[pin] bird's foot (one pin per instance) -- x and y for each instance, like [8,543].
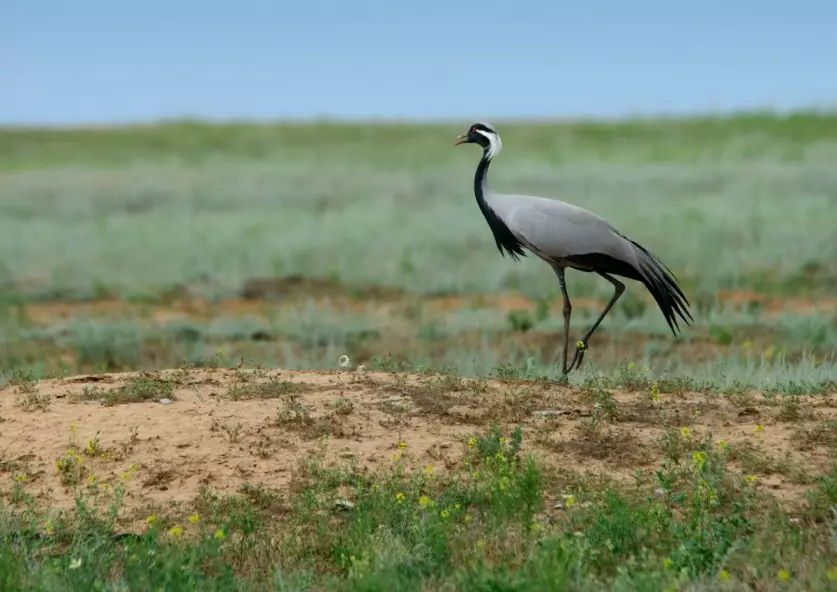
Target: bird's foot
[580,348]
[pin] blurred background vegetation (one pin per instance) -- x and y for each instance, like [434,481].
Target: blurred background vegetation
[291,244]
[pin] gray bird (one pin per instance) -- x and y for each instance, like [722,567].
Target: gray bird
[564,236]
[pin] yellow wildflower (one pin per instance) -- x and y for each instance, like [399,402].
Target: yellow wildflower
[175,531]
[831,574]
[402,445]
[429,470]
[722,444]
[424,501]
[723,575]
[569,502]
[783,575]
[220,535]
[194,518]
[684,431]
[699,458]
[759,428]
[444,513]
[667,563]
[151,519]
[472,442]
[399,497]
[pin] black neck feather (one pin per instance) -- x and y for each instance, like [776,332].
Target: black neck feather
[506,241]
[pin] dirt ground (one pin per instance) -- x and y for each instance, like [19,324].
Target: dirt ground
[223,428]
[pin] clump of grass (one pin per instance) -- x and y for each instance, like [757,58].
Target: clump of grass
[676,444]
[596,389]
[139,388]
[273,388]
[24,380]
[70,467]
[791,411]
[492,443]
[755,460]
[342,406]
[434,394]
[822,434]
[295,416]
[34,402]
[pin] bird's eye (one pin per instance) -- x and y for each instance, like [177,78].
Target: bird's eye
[473,129]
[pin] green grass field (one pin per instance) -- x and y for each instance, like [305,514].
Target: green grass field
[188,245]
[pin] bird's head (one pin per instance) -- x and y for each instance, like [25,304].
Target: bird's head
[484,135]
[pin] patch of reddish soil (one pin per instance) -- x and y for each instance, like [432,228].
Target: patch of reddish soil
[262,296]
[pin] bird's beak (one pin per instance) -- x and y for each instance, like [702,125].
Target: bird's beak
[460,139]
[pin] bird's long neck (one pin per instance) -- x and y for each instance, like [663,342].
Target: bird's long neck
[505,239]
[480,177]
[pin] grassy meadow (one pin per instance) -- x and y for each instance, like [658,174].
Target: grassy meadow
[193,246]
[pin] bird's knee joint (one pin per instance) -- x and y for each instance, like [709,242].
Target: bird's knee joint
[568,308]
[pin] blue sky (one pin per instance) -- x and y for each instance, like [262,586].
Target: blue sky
[95,61]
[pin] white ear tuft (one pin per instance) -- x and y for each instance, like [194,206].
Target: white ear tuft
[495,144]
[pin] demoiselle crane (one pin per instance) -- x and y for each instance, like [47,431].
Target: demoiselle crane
[565,236]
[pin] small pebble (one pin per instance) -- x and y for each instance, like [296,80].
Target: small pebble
[344,504]
[166,401]
[549,412]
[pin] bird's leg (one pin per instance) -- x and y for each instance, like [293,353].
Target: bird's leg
[568,311]
[581,346]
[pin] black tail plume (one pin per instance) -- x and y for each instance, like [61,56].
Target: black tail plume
[662,284]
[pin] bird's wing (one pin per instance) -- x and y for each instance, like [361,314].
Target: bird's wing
[560,230]
[566,234]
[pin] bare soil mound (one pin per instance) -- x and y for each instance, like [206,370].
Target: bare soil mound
[224,428]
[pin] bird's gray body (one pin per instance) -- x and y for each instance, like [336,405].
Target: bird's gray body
[556,231]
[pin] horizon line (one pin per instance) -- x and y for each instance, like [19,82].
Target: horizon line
[631,117]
